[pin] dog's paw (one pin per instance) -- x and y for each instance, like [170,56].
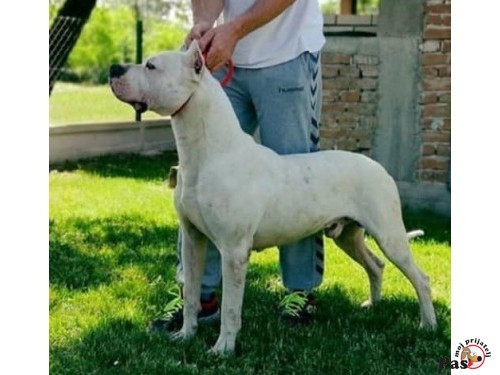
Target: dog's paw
[182,335]
[428,326]
[367,304]
[222,347]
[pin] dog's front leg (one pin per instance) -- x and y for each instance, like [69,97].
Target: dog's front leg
[234,270]
[193,249]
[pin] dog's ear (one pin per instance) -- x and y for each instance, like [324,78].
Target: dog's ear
[195,57]
[465,353]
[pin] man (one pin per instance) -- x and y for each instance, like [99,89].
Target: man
[276,86]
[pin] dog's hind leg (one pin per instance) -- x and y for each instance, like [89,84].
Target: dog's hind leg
[352,241]
[393,241]
[193,248]
[234,270]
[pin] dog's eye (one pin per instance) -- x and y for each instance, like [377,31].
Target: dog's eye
[150,66]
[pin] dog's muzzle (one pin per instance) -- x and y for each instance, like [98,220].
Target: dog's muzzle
[116,71]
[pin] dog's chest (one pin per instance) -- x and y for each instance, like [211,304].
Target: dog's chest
[190,208]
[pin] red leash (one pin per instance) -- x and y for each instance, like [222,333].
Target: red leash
[229,74]
[227,78]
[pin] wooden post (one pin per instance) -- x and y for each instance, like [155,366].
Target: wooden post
[347,6]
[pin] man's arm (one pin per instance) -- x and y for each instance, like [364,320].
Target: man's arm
[205,13]
[219,43]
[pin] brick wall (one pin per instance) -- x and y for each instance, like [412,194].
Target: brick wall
[350,99]
[353,91]
[435,96]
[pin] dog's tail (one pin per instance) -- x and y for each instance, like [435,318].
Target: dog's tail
[415,233]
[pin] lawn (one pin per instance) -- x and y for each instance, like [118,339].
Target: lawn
[73,104]
[113,232]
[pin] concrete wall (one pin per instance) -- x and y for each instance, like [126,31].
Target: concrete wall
[81,141]
[397,143]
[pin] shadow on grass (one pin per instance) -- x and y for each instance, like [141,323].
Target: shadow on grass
[84,253]
[123,165]
[436,227]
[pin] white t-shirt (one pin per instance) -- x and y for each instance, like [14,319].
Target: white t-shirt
[298,29]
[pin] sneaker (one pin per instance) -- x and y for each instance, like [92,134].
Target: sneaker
[172,321]
[298,307]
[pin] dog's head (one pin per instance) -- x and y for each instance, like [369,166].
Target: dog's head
[163,84]
[466,353]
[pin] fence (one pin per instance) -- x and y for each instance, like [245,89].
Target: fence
[63,34]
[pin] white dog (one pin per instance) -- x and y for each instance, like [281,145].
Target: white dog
[244,196]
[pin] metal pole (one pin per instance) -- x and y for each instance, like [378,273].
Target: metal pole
[138,52]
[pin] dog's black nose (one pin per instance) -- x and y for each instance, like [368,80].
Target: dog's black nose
[479,358]
[117,70]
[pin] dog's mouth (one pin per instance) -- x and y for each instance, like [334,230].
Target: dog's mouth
[120,90]
[140,107]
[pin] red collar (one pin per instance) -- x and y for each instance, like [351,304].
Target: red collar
[181,107]
[224,82]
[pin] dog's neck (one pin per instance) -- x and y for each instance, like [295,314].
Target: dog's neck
[181,107]
[206,124]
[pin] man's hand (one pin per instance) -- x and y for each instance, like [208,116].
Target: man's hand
[218,44]
[197,31]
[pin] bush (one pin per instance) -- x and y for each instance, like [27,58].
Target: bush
[109,37]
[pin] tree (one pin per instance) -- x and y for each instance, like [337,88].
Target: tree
[110,37]
[64,34]
[160,9]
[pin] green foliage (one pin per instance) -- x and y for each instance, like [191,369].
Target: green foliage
[106,39]
[368,6]
[162,36]
[53,9]
[330,7]
[110,37]
[179,9]
[362,6]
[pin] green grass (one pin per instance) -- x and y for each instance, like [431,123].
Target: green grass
[113,231]
[73,104]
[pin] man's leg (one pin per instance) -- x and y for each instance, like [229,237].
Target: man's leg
[288,102]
